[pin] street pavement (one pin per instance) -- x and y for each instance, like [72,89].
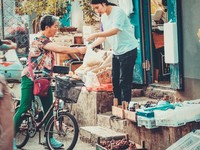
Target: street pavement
[33,143]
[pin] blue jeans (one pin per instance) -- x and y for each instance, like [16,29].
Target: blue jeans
[122,75]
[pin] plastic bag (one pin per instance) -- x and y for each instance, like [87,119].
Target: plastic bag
[91,80]
[92,58]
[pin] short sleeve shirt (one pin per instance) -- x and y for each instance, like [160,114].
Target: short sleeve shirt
[124,40]
[41,60]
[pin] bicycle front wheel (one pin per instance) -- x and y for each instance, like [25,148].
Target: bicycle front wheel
[64,129]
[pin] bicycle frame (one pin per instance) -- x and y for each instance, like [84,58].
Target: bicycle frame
[55,105]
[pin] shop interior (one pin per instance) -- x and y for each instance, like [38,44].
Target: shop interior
[159,17]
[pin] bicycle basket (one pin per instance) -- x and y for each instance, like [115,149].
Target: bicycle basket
[66,90]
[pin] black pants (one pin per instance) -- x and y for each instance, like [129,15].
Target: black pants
[122,75]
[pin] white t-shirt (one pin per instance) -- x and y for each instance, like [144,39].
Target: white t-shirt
[124,40]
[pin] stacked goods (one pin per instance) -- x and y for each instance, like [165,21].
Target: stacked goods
[145,116]
[64,40]
[68,29]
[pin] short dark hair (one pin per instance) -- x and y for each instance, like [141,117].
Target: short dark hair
[101,2]
[47,20]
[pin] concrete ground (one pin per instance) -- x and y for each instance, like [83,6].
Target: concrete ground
[33,145]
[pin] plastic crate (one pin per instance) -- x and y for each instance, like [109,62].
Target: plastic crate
[190,141]
[148,123]
[67,89]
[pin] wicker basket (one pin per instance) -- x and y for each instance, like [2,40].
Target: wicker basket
[67,89]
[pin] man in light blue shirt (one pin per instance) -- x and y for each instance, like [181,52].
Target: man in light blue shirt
[120,34]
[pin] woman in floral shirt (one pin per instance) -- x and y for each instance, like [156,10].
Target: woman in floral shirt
[42,59]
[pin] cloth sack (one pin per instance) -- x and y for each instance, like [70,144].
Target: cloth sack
[41,87]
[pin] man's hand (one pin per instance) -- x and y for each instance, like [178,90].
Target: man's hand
[92,37]
[13,45]
[8,42]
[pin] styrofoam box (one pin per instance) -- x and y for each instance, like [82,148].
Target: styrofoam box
[169,117]
[179,116]
[148,123]
[190,141]
[192,111]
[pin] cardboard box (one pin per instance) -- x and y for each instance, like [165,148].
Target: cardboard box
[105,76]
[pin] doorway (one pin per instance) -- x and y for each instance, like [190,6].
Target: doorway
[150,66]
[159,16]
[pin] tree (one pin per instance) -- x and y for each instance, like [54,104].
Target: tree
[41,7]
[89,16]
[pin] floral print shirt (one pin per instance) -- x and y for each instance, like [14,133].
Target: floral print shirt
[41,60]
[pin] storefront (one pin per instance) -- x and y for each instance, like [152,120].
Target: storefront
[160,51]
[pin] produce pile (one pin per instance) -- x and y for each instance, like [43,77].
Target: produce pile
[122,144]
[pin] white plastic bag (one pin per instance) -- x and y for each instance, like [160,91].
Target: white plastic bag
[91,80]
[92,58]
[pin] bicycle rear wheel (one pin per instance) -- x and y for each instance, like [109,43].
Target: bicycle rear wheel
[22,135]
[66,132]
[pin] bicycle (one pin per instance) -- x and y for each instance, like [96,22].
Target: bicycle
[36,107]
[62,125]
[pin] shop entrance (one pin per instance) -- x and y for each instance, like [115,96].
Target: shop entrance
[154,14]
[161,70]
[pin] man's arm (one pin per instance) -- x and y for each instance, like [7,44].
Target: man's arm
[104,34]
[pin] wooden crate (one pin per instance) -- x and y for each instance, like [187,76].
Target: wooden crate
[138,147]
[118,111]
[130,115]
